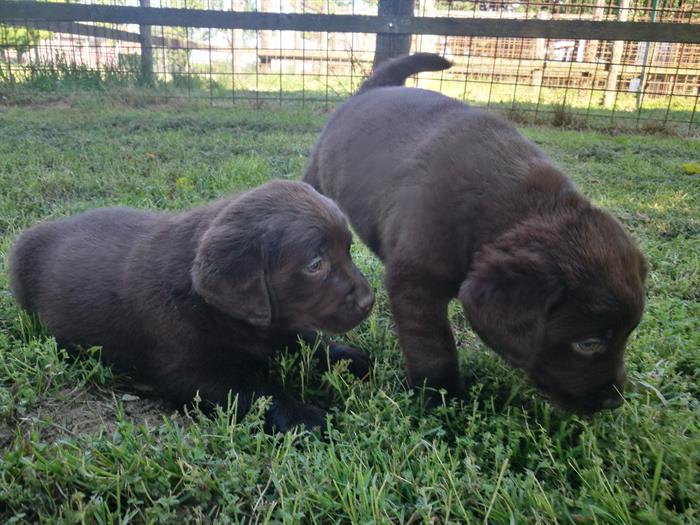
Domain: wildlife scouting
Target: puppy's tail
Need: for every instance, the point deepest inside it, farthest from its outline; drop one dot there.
(394, 72)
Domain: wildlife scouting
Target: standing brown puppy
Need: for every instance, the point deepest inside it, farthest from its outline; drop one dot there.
(458, 204)
(197, 302)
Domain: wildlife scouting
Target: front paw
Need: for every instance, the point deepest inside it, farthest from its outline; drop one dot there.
(282, 416)
(439, 390)
(432, 398)
(358, 360)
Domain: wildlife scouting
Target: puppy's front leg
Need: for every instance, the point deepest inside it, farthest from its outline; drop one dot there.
(217, 385)
(284, 412)
(425, 336)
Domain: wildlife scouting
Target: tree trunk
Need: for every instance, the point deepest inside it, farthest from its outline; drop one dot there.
(392, 45)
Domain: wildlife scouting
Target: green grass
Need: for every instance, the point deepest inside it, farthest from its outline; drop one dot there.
(78, 444)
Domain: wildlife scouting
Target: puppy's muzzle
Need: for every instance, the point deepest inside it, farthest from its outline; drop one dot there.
(360, 297)
(613, 397)
(365, 301)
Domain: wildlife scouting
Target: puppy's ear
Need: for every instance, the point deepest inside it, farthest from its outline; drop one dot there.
(229, 273)
(507, 298)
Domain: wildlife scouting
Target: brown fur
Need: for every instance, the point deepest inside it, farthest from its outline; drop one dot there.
(198, 301)
(458, 204)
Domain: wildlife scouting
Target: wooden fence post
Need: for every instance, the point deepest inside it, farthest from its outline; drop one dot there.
(592, 45)
(540, 55)
(615, 59)
(390, 45)
(263, 42)
(146, 77)
(645, 60)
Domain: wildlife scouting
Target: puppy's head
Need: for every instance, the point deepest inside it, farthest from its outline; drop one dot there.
(280, 254)
(558, 296)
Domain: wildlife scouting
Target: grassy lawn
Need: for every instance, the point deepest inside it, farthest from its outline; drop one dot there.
(79, 443)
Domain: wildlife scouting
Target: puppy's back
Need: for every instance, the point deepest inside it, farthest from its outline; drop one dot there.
(393, 153)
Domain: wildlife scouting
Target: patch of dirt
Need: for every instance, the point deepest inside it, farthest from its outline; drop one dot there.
(93, 411)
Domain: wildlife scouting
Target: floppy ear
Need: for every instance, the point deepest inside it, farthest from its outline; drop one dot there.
(507, 298)
(229, 273)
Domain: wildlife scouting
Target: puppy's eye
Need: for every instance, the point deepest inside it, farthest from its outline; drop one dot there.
(315, 266)
(589, 346)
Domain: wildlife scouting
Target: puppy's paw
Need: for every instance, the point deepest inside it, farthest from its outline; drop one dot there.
(311, 417)
(358, 360)
(432, 398)
(448, 390)
(283, 416)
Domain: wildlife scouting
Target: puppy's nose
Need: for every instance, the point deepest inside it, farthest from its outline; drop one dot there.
(365, 301)
(612, 397)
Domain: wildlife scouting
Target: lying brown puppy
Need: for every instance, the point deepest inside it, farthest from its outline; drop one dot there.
(198, 301)
(458, 204)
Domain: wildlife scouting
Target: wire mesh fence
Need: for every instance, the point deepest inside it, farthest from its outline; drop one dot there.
(607, 83)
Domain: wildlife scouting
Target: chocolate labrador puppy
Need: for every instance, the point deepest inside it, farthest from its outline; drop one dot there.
(458, 204)
(197, 302)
